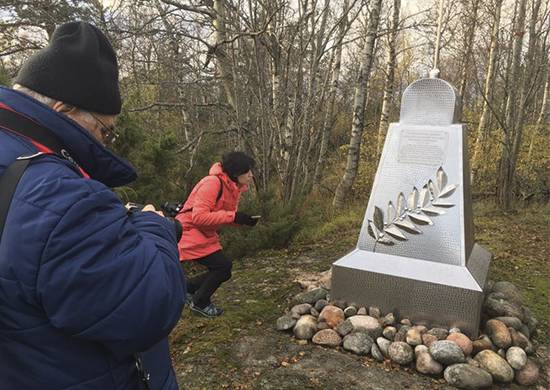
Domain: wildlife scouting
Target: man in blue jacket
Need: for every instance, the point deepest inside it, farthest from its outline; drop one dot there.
(88, 292)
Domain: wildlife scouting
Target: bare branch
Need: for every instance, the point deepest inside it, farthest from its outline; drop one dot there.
(203, 11)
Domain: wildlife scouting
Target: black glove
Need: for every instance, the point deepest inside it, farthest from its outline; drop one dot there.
(244, 219)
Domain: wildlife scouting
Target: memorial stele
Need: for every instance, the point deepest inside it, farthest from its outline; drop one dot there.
(416, 254)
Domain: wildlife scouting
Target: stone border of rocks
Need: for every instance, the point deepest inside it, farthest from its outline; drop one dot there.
(502, 353)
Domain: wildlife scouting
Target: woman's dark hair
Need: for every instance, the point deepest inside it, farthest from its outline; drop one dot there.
(237, 163)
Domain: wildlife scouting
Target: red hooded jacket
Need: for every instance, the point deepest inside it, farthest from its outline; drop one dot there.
(202, 215)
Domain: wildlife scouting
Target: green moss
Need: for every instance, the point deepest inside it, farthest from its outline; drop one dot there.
(255, 295)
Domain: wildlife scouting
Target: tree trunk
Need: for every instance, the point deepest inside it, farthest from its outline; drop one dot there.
(483, 127)
(529, 78)
(542, 119)
(311, 97)
(390, 76)
(507, 160)
(471, 22)
(223, 60)
(352, 164)
(329, 113)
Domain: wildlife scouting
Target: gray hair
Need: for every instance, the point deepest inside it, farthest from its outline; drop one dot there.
(48, 101)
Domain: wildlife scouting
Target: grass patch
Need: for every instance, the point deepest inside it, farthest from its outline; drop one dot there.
(520, 245)
(323, 228)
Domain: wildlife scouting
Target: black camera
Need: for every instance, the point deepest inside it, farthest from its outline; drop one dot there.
(170, 209)
(133, 207)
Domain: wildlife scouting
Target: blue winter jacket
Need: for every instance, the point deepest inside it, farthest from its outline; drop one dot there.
(83, 285)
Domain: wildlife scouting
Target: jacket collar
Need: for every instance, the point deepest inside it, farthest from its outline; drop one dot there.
(100, 163)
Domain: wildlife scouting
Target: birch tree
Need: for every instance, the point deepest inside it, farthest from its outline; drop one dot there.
(470, 20)
(390, 76)
(508, 157)
(483, 126)
(359, 103)
(335, 80)
(542, 120)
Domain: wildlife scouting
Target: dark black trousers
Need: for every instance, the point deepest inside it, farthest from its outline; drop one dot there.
(204, 285)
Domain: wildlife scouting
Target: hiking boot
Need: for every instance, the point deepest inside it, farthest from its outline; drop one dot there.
(208, 311)
(188, 299)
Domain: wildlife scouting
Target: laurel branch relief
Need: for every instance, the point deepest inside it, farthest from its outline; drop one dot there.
(408, 213)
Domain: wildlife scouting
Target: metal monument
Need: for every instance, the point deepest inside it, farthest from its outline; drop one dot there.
(416, 253)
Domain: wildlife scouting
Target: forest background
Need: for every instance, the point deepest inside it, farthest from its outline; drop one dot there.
(308, 87)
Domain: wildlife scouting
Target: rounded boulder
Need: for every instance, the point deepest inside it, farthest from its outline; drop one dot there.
(358, 343)
(332, 315)
(529, 374)
(462, 341)
(401, 352)
(305, 327)
(466, 376)
(447, 352)
(495, 365)
(427, 365)
(499, 333)
(367, 324)
(327, 337)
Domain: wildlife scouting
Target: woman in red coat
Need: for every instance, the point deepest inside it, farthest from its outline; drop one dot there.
(212, 204)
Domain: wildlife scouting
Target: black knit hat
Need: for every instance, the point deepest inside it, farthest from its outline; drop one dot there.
(237, 163)
(78, 67)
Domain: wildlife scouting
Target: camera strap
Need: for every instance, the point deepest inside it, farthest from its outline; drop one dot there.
(144, 376)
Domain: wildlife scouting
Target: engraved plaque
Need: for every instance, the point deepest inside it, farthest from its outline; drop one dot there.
(424, 147)
(416, 253)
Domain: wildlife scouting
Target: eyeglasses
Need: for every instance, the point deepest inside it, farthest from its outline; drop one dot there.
(108, 133)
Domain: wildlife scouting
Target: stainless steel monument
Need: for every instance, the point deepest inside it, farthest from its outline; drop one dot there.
(416, 253)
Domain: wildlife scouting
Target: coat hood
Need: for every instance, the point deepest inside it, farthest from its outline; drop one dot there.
(100, 163)
(217, 170)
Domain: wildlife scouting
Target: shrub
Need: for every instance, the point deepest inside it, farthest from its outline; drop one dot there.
(279, 223)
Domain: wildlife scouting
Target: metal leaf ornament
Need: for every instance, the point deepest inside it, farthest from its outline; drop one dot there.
(441, 178)
(413, 199)
(415, 209)
(376, 227)
(401, 204)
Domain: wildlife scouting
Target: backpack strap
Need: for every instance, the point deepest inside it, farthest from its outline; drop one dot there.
(8, 184)
(39, 136)
(218, 197)
(220, 192)
(20, 124)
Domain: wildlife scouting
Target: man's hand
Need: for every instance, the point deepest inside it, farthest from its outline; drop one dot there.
(133, 207)
(150, 207)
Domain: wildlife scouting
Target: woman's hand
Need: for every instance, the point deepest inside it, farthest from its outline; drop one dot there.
(245, 219)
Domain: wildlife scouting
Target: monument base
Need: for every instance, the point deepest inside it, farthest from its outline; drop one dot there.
(426, 292)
